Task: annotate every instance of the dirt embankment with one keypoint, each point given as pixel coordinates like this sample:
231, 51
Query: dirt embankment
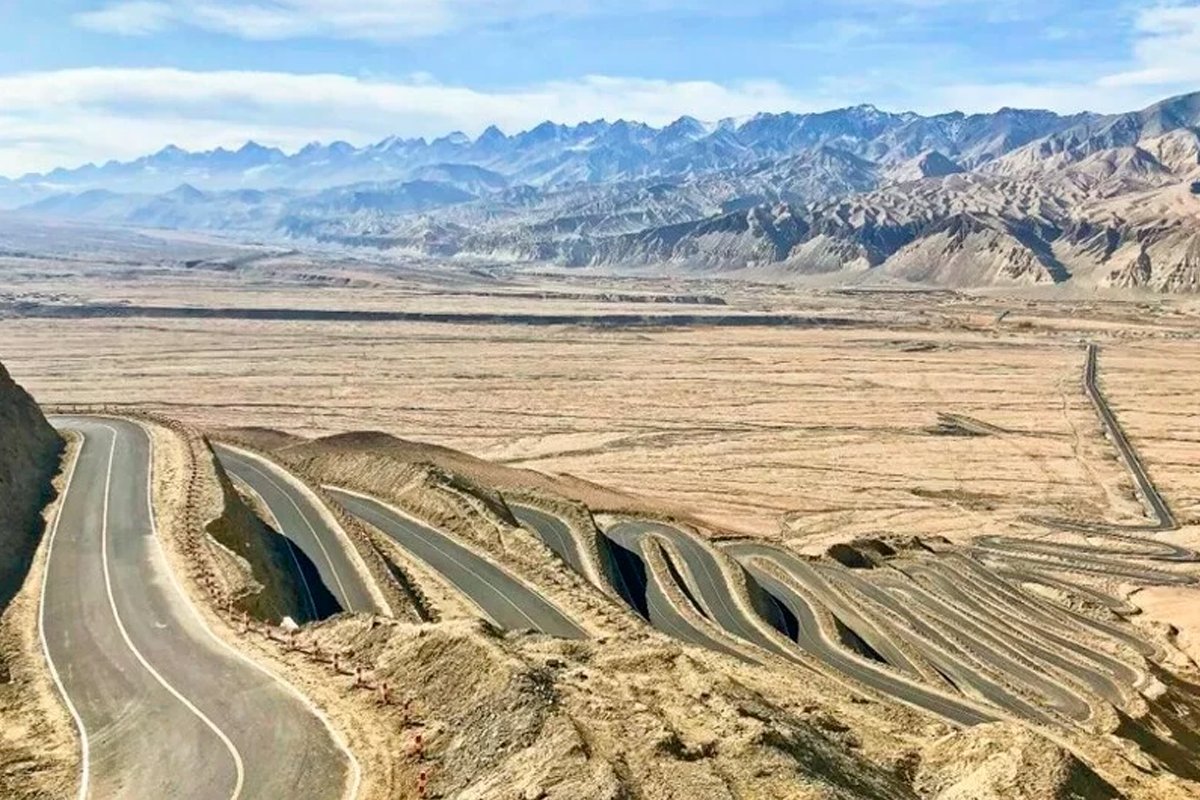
37, 743
631, 713
523, 716
258, 558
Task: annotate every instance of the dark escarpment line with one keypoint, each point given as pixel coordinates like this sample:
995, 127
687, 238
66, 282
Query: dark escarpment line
117, 311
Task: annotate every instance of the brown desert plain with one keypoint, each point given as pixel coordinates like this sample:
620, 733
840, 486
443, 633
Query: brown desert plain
807, 416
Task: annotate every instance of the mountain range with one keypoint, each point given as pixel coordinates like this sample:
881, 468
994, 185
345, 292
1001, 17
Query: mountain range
1012, 198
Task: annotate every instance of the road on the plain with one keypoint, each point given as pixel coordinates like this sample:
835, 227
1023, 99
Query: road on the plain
1164, 519
506, 600
164, 708
308, 528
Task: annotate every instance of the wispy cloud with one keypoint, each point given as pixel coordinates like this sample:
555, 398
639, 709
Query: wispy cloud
1167, 49
1163, 59
137, 18
373, 20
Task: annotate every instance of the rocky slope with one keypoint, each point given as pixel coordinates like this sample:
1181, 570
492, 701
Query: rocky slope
29, 450
37, 745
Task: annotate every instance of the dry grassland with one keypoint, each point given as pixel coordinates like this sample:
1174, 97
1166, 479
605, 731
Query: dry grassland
818, 434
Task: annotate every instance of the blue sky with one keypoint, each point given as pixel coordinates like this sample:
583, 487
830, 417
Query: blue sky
85, 80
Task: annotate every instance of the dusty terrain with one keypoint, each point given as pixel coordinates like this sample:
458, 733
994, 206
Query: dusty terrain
819, 433
885, 414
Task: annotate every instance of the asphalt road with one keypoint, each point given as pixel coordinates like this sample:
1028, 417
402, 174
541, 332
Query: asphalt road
1149, 493
707, 585
755, 559
554, 532
164, 709
1027, 558
940, 644
507, 601
313, 533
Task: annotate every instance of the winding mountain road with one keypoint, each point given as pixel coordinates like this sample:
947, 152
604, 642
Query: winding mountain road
309, 528
554, 532
164, 709
507, 601
928, 626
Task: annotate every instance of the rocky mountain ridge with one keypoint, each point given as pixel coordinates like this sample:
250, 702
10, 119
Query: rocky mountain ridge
556, 155
1015, 198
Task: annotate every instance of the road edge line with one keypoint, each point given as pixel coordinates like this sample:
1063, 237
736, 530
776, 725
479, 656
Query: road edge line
84, 745
343, 537
507, 570
239, 765
354, 784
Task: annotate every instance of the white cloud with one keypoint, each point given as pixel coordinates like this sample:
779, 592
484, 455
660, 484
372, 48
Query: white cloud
1163, 60
1167, 49
137, 18
71, 116
374, 20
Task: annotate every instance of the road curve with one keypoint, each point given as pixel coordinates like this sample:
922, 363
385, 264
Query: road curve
706, 586
308, 528
163, 708
765, 564
507, 601
943, 622
628, 544
554, 532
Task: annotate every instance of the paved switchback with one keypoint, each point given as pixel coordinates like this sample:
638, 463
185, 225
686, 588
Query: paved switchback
705, 582
164, 709
554, 532
507, 601
956, 630
310, 529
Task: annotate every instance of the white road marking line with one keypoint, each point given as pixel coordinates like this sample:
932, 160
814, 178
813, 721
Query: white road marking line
354, 784
337, 578
431, 543
401, 516
225, 740
312, 604
84, 746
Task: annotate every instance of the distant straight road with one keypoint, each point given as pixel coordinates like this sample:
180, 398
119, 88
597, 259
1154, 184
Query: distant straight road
164, 709
1164, 519
509, 602
309, 530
